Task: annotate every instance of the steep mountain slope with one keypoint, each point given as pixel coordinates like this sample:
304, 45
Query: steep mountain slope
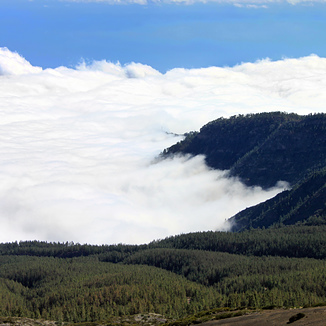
306, 202
289, 153
261, 149
225, 141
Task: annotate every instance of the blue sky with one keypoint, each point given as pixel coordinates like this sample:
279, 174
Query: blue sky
51, 33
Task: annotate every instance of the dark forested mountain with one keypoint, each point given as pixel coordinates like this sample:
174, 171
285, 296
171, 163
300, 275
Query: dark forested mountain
306, 203
262, 149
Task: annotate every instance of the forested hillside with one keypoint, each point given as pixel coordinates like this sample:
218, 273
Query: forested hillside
262, 149
305, 203
85, 289
176, 277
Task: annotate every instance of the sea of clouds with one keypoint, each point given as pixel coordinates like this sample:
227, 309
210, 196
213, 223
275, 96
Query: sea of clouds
78, 146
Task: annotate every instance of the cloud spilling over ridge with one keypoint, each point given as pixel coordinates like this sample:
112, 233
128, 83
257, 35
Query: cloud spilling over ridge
78, 146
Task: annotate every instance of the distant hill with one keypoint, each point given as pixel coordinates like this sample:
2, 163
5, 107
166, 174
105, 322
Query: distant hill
262, 149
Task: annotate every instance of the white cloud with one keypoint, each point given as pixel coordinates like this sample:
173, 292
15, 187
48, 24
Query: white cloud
12, 63
77, 146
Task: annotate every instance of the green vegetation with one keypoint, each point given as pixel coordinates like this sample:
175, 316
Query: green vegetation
288, 241
85, 289
262, 149
305, 203
179, 277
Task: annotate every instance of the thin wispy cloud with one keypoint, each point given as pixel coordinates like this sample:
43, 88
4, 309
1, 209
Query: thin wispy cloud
78, 146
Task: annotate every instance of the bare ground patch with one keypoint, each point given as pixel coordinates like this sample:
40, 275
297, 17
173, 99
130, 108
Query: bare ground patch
278, 317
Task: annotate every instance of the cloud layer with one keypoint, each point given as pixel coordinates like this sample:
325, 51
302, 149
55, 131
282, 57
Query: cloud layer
78, 146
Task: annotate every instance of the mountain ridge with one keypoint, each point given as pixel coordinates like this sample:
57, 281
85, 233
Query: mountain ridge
263, 149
